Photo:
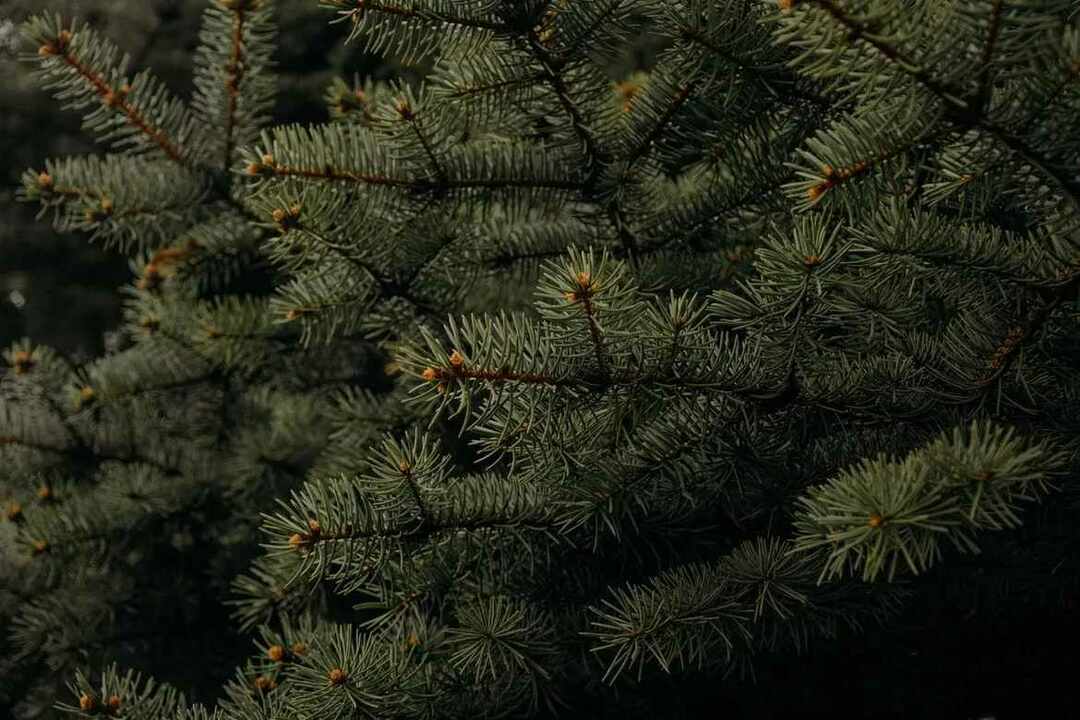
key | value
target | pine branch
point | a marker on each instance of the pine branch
(61, 45)
(419, 185)
(958, 104)
(235, 72)
(362, 7)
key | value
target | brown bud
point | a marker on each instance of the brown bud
(296, 540)
(114, 703)
(87, 702)
(404, 109)
(150, 324)
(875, 521)
(101, 212)
(264, 684)
(276, 653)
(45, 181)
(45, 493)
(457, 359)
(14, 512)
(627, 91)
(57, 46)
(87, 395)
(314, 527)
(40, 546)
(22, 362)
(337, 676)
(286, 218)
(299, 648)
(151, 279)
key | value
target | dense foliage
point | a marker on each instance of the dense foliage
(553, 367)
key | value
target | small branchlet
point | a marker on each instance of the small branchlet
(835, 176)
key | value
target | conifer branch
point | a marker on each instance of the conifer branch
(684, 93)
(594, 155)
(414, 122)
(760, 74)
(960, 111)
(585, 296)
(114, 97)
(463, 372)
(982, 94)
(361, 7)
(417, 184)
(466, 91)
(414, 491)
(1058, 175)
(234, 76)
(858, 31)
(1022, 335)
(834, 177)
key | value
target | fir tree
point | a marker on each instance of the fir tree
(713, 360)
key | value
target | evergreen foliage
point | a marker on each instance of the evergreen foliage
(720, 358)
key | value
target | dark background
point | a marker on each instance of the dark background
(957, 652)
